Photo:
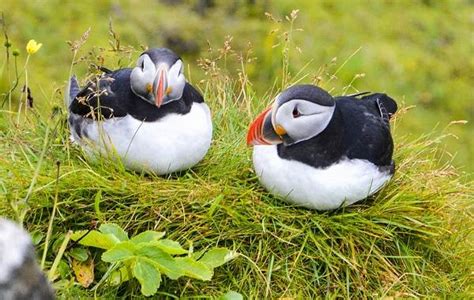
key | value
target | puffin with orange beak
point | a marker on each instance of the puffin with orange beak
(148, 115)
(321, 152)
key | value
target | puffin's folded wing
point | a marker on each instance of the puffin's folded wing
(191, 94)
(100, 99)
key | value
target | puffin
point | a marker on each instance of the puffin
(20, 275)
(323, 152)
(148, 116)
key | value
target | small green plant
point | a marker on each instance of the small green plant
(147, 256)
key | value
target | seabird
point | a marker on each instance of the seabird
(148, 116)
(321, 152)
(20, 275)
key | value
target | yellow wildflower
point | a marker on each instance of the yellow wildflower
(32, 47)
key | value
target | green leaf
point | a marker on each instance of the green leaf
(165, 262)
(148, 276)
(115, 278)
(119, 276)
(217, 257)
(78, 234)
(115, 230)
(120, 252)
(147, 236)
(95, 239)
(64, 270)
(231, 295)
(170, 247)
(36, 237)
(79, 254)
(194, 269)
(198, 254)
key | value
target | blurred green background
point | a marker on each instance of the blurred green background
(419, 52)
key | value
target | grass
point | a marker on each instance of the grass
(413, 239)
(418, 52)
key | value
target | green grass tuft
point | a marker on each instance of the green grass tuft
(414, 238)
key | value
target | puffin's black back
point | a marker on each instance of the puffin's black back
(114, 98)
(367, 129)
(359, 129)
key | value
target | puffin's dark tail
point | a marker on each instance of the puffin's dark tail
(72, 90)
(386, 105)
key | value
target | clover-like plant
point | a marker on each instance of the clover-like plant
(147, 256)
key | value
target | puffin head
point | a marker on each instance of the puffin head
(299, 113)
(158, 77)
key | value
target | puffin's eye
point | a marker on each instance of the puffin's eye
(141, 62)
(296, 112)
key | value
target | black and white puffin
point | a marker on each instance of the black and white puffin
(149, 116)
(20, 275)
(322, 152)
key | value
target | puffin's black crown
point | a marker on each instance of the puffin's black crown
(307, 92)
(162, 55)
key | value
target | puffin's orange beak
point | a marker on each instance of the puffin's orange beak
(255, 133)
(261, 131)
(160, 88)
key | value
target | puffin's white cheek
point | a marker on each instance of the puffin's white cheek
(300, 128)
(306, 126)
(284, 118)
(177, 86)
(137, 81)
(314, 124)
(175, 70)
(149, 75)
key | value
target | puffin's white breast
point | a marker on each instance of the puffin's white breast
(15, 245)
(173, 143)
(340, 184)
